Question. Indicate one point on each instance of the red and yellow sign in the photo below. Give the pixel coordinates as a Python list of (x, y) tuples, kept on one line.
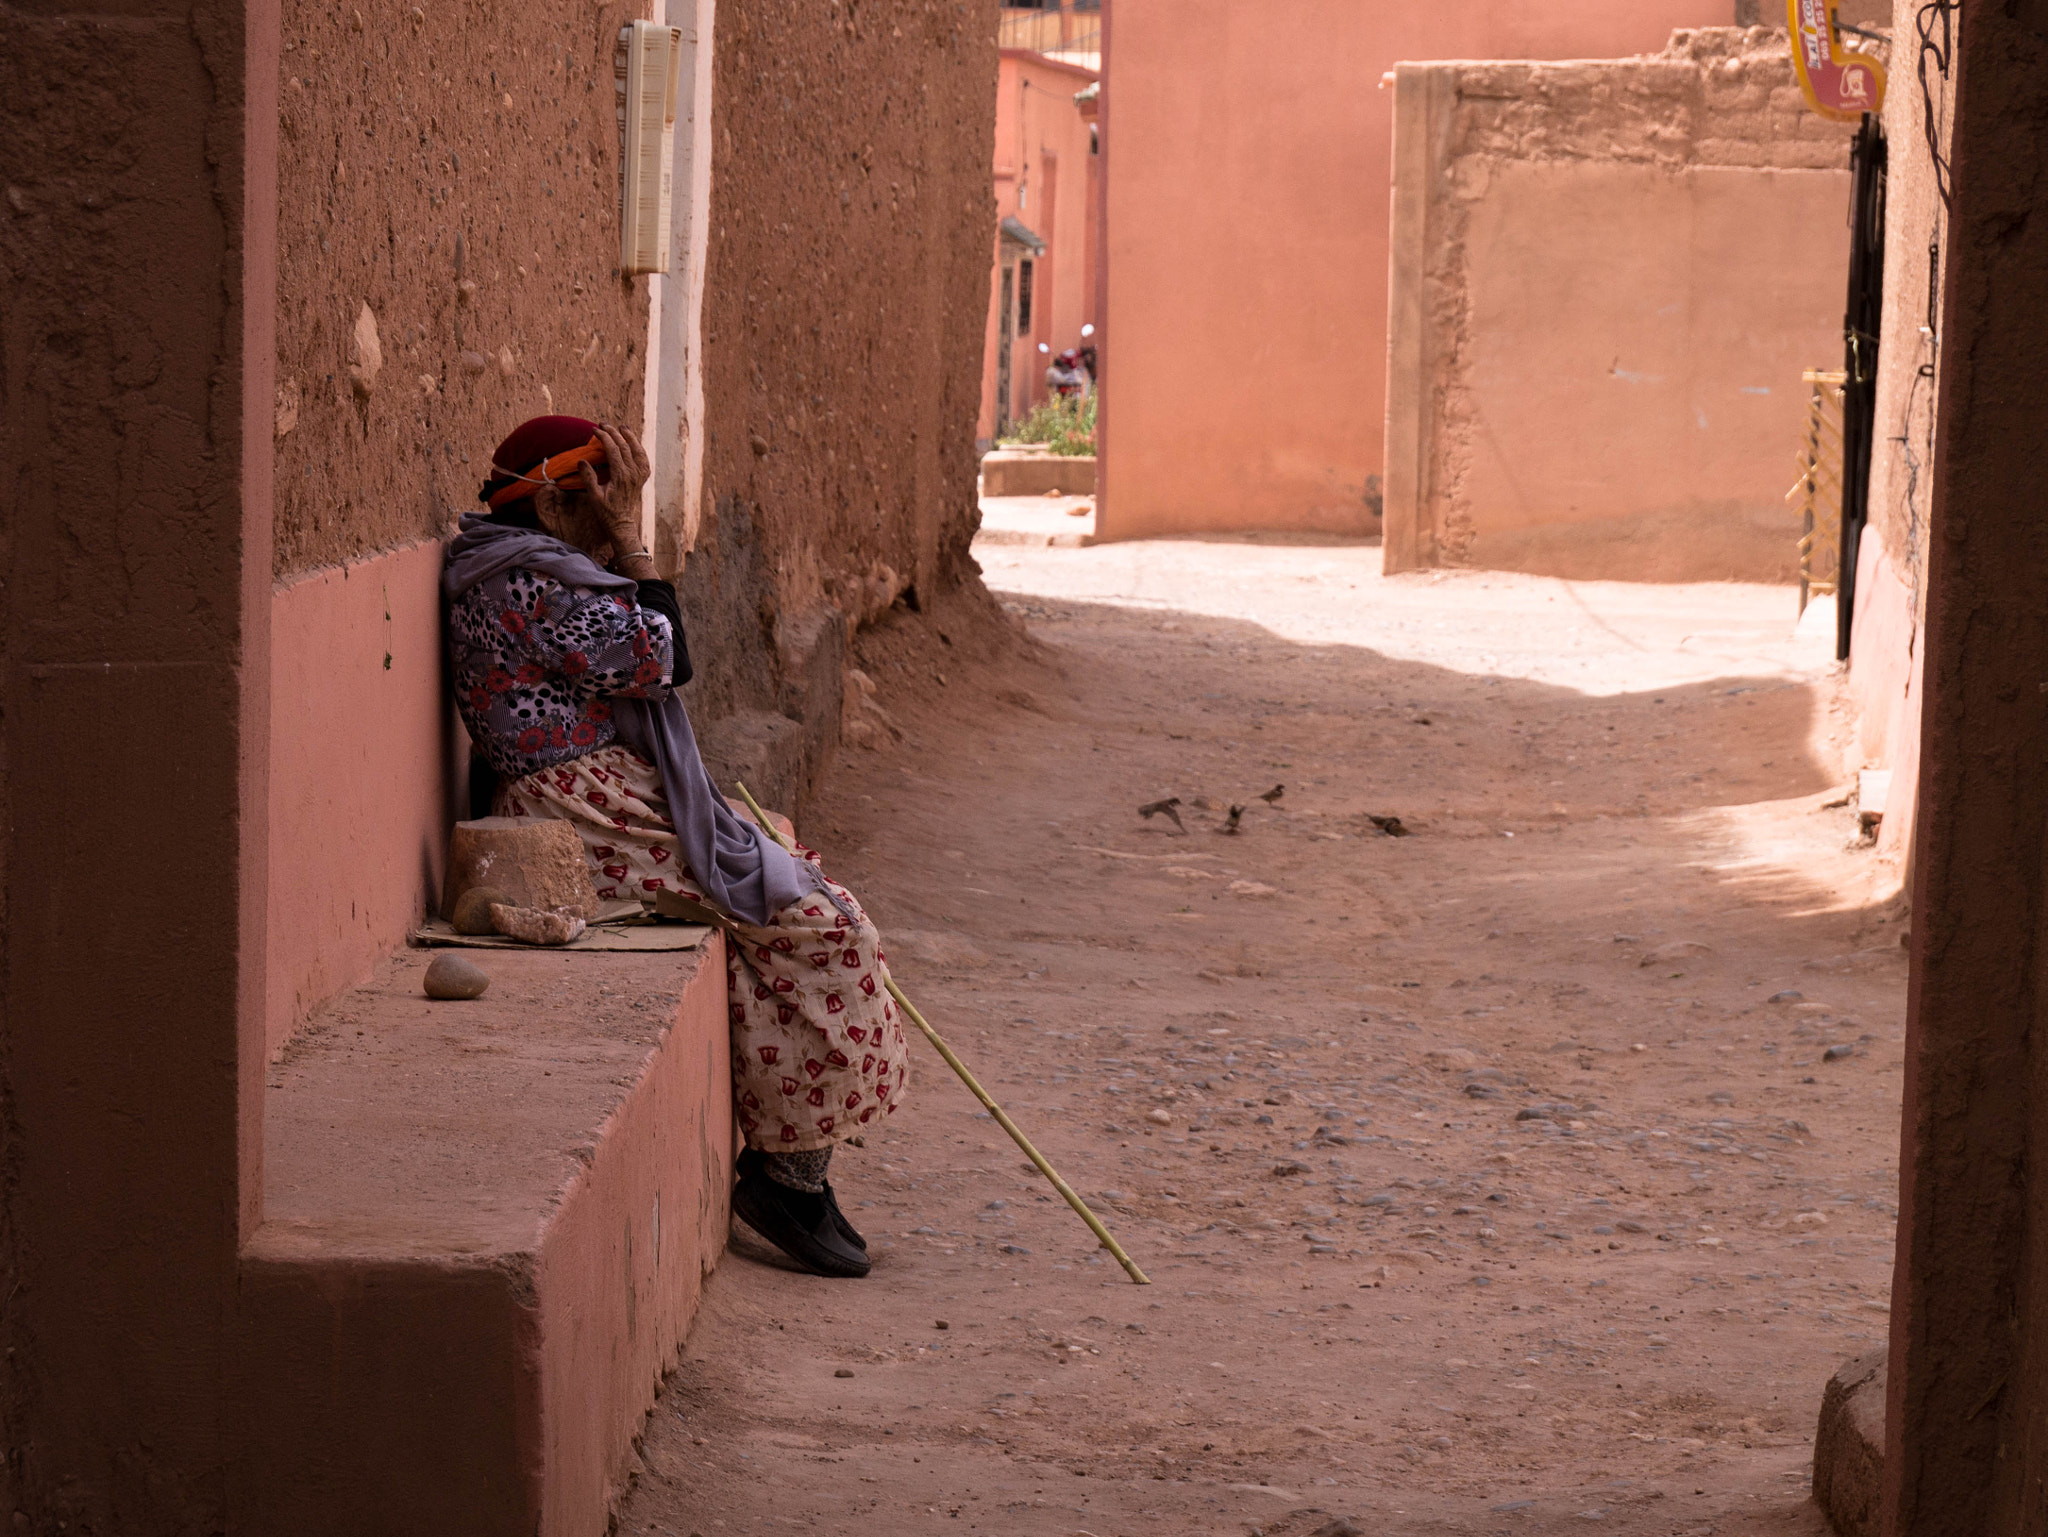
[(1837, 84)]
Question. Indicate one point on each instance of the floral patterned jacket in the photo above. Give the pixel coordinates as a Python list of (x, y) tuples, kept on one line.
[(537, 663)]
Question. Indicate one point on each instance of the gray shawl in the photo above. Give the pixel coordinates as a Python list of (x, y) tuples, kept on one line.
[(742, 870)]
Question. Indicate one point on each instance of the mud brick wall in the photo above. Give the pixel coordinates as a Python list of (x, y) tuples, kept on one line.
[(1608, 277)]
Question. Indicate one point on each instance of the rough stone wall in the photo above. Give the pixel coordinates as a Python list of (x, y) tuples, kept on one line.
[(450, 174), (1716, 96), (846, 297), (1716, 100)]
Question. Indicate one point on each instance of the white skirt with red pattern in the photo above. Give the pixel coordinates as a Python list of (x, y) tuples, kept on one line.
[(818, 1051)]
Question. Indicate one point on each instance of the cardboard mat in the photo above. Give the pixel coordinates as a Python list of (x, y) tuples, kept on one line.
[(633, 934)]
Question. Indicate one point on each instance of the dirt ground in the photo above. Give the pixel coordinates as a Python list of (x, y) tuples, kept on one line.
[(1531, 1170)]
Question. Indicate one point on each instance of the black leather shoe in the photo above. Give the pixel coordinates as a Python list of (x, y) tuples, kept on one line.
[(800, 1225), (753, 1162), (846, 1229)]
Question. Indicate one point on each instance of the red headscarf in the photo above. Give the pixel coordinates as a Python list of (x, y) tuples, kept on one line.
[(540, 452)]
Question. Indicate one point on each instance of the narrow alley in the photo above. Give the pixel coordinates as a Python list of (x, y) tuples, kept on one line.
[(1533, 1168)]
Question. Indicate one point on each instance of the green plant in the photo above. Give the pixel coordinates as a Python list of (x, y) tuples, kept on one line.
[(1064, 426)]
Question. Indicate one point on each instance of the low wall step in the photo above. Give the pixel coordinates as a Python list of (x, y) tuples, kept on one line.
[(485, 1231)]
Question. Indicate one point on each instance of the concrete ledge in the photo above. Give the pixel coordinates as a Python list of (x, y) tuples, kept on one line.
[(1009, 473), (1848, 1447), (485, 1234)]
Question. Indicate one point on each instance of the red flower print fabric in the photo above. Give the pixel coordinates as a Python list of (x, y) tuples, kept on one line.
[(818, 1049), (535, 662)]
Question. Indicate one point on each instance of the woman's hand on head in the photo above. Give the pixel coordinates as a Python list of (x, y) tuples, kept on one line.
[(620, 497)]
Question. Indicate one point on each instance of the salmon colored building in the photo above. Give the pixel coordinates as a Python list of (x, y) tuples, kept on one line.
[(1245, 266), (1042, 286)]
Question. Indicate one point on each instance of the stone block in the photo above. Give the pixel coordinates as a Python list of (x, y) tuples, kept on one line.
[(468, 1287), (1848, 1447), (533, 862)]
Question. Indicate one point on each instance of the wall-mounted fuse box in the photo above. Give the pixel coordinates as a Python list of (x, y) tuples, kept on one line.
[(645, 71)]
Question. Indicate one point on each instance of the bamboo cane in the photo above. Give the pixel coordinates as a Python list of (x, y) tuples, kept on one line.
[(1001, 1116)]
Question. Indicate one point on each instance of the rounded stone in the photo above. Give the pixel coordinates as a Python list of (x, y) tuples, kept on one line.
[(472, 913), (451, 976)]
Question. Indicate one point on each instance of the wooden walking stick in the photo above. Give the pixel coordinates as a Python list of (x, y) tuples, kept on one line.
[(1001, 1116)]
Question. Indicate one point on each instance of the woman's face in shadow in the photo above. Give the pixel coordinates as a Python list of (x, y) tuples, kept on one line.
[(575, 517)]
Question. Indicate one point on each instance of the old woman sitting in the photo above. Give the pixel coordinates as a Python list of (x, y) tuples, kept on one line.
[(567, 651)]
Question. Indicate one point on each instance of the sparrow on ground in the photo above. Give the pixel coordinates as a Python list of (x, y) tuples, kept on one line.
[(1273, 794), (1164, 807)]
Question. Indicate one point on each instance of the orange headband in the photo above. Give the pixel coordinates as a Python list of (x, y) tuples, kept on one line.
[(546, 473)]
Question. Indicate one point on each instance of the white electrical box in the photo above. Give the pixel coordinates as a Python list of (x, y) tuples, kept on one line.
[(645, 72)]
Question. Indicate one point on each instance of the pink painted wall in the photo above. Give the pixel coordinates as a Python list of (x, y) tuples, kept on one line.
[(1247, 235), (1043, 176), (366, 758), (623, 1263)]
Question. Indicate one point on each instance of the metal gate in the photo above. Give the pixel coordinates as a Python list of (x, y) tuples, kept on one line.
[(1860, 325)]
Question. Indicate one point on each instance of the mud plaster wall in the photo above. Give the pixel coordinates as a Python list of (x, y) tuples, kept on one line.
[(1615, 272), (846, 295), (1891, 600), (449, 246), (448, 238), (1968, 1369), (449, 250), (456, 174), (136, 146)]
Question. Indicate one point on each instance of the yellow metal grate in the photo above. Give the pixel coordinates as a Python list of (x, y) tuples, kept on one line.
[(1818, 490)]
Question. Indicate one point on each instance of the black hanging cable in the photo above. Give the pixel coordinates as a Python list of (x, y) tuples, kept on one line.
[(1934, 24)]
